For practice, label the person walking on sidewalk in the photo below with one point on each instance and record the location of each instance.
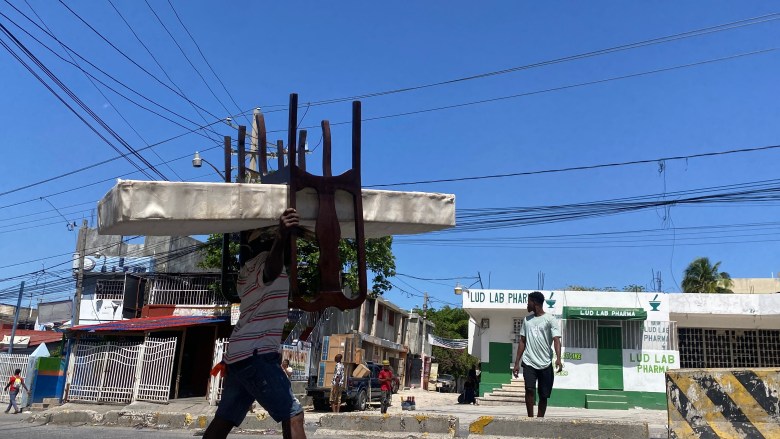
(253, 362)
(15, 383)
(535, 355)
(337, 385)
(386, 383)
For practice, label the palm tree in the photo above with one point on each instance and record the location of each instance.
(703, 277)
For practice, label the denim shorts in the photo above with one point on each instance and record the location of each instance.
(258, 378)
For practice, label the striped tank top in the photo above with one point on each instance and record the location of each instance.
(263, 312)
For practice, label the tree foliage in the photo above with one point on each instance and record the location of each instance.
(703, 277)
(586, 288)
(451, 323)
(380, 262)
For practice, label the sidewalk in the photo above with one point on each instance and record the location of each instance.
(195, 413)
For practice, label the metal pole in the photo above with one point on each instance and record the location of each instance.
(16, 318)
(226, 236)
(80, 278)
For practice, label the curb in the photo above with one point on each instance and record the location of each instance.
(490, 427)
(157, 420)
(389, 425)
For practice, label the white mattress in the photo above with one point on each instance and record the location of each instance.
(155, 208)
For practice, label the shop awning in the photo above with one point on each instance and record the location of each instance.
(600, 313)
(149, 324)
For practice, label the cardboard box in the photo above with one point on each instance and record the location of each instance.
(359, 356)
(344, 344)
(361, 371)
(325, 373)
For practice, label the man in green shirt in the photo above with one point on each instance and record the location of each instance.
(535, 355)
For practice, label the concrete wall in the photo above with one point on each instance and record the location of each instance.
(754, 285)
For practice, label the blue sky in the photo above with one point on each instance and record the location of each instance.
(262, 51)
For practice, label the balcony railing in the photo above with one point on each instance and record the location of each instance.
(195, 289)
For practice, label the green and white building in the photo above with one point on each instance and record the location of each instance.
(617, 345)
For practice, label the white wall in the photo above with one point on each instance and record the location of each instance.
(94, 311)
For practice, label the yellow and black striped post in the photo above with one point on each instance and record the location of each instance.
(723, 403)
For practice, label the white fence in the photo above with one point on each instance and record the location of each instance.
(215, 383)
(298, 354)
(122, 372)
(8, 364)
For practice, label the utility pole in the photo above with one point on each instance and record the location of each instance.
(423, 336)
(16, 318)
(226, 236)
(80, 278)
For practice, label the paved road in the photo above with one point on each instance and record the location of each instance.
(14, 427)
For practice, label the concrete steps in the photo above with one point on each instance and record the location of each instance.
(512, 393)
(606, 401)
(43, 406)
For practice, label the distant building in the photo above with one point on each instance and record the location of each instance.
(756, 285)
(622, 343)
(155, 278)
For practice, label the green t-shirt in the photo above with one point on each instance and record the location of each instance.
(539, 333)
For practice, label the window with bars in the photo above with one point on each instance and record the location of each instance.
(714, 348)
(579, 333)
(106, 289)
(517, 328)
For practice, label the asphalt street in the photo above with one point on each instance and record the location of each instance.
(16, 428)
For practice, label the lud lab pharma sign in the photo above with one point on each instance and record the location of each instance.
(494, 299)
(597, 313)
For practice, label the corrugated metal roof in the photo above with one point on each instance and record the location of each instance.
(149, 324)
(36, 337)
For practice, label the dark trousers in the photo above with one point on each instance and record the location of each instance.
(385, 401)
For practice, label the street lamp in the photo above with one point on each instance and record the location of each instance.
(197, 162)
(459, 289)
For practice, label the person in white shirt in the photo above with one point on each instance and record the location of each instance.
(337, 385)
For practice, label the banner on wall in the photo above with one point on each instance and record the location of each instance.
(298, 355)
(580, 369)
(645, 370)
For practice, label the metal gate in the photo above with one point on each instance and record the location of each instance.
(8, 364)
(122, 372)
(154, 382)
(215, 383)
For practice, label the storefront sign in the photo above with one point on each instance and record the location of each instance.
(298, 354)
(582, 313)
(644, 370)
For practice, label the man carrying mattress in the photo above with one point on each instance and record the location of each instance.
(253, 361)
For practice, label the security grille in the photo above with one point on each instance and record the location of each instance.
(579, 333)
(122, 372)
(8, 364)
(185, 290)
(517, 329)
(726, 348)
(106, 289)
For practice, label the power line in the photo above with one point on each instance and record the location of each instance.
(113, 106)
(159, 20)
(623, 47)
(584, 167)
(659, 40)
(165, 72)
(67, 91)
(108, 75)
(132, 60)
(206, 59)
